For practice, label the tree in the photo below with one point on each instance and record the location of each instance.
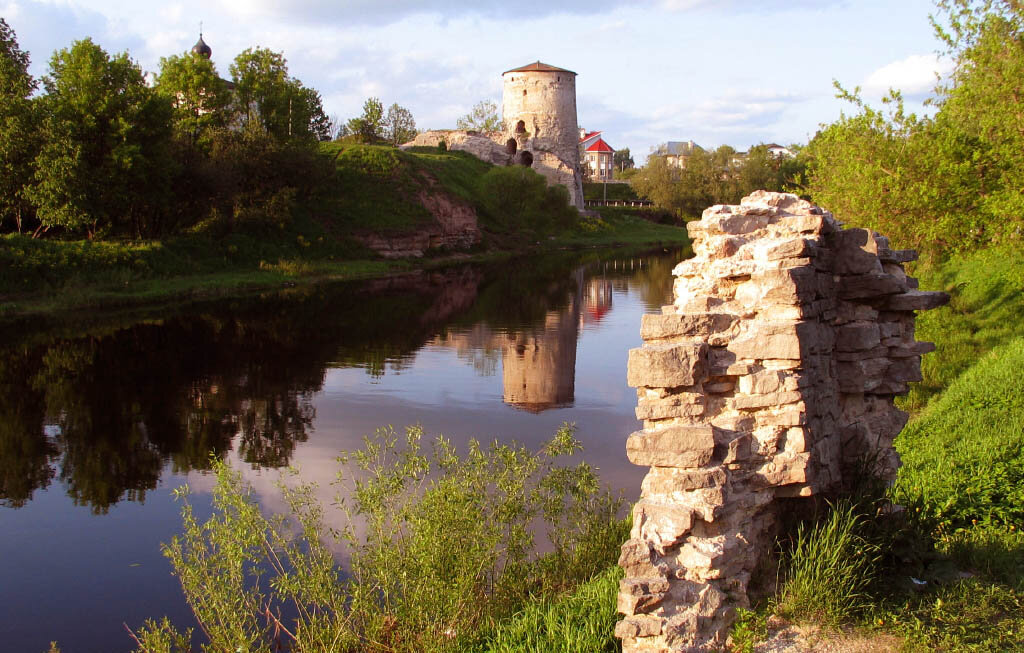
(483, 118)
(368, 126)
(18, 128)
(622, 159)
(104, 164)
(399, 125)
(261, 90)
(199, 96)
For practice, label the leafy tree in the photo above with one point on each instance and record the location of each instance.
(18, 129)
(369, 125)
(483, 117)
(261, 89)
(622, 159)
(399, 125)
(199, 96)
(104, 164)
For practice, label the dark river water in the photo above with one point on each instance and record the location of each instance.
(101, 418)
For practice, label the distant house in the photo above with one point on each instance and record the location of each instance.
(677, 153)
(779, 152)
(599, 158)
(587, 138)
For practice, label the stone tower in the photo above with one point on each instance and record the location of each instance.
(539, 123)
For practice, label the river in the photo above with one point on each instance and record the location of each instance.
(101, 418)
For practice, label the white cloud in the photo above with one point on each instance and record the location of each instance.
(914, 76)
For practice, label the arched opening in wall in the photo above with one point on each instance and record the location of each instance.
(520, 127)
(510, 146)
(525, 159)
(524, 92)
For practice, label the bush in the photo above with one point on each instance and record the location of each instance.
(519, 199)
(440, 546)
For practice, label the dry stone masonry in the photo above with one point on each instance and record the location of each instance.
(769, 379)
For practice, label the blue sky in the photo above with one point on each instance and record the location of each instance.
(736, 72)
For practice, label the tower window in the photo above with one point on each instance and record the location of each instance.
(524, 92)
(521, 126)
(510, 146)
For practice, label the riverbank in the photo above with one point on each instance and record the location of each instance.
(377, 194)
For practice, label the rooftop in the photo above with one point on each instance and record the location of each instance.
(538, 67)
(600, 146)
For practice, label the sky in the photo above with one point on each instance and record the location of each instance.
(718, 72)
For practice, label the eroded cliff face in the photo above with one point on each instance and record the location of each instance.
(769, 380)
(455, 227)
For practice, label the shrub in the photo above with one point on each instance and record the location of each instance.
(440, 546)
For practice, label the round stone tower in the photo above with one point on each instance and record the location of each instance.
(539, 121)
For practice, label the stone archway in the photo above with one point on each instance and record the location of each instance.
(525, 158)
(511, 146)
(520, 127)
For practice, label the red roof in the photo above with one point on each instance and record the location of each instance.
(589, 135)
(538, 67)
(600, 146)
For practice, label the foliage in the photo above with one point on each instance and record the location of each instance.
(440, 545)
(581, 621)
(399, 126)
(104, 165)
(830, 569)
(369, 126)
(519, 198)
(949, 182)
(483, 117)
(199, 96)
(18, 128)
(269, 99)
(622, 159)
(721, 176)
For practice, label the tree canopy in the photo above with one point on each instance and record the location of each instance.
(950, 181)
(199, 96)
(482, 117)
(18, 135)
(104, 160)
(399, 125)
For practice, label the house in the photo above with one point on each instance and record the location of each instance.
(599, 159)
(779, 152)
(676, 153)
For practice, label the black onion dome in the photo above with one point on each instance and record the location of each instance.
(201, 48)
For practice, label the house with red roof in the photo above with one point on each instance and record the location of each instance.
(598, 156)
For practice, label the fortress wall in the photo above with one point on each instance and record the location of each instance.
(769, 381)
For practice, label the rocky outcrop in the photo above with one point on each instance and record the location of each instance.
(769, 379)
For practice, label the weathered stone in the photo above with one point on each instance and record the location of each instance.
(668, 366)
(915, 300)
(857, 336)
(656, 326)
(874, 284)
(673, 446)
(807, 333)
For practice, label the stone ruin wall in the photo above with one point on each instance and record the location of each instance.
(769, 381)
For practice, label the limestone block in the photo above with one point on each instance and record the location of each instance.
(637, 559)
(638, 626)
(856, 252)
(764, 382)
(662, 526)
(664, 481)
(765, 401)
(656, 326)
(915, 300)
(674, 446)
(639, 595)
(873, 284)
(857, 336)
(667, 366)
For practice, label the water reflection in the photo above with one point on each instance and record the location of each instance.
(108, 407)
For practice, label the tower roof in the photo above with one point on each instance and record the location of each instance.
(201, 48)
(600, 146)
(538, 67)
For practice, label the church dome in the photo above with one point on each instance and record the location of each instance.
(201, 48)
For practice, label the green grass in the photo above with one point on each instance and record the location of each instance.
(581, 621)
(613, 229)
(986, 311)
(598, 191)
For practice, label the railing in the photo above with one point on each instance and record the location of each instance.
(617, 203)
